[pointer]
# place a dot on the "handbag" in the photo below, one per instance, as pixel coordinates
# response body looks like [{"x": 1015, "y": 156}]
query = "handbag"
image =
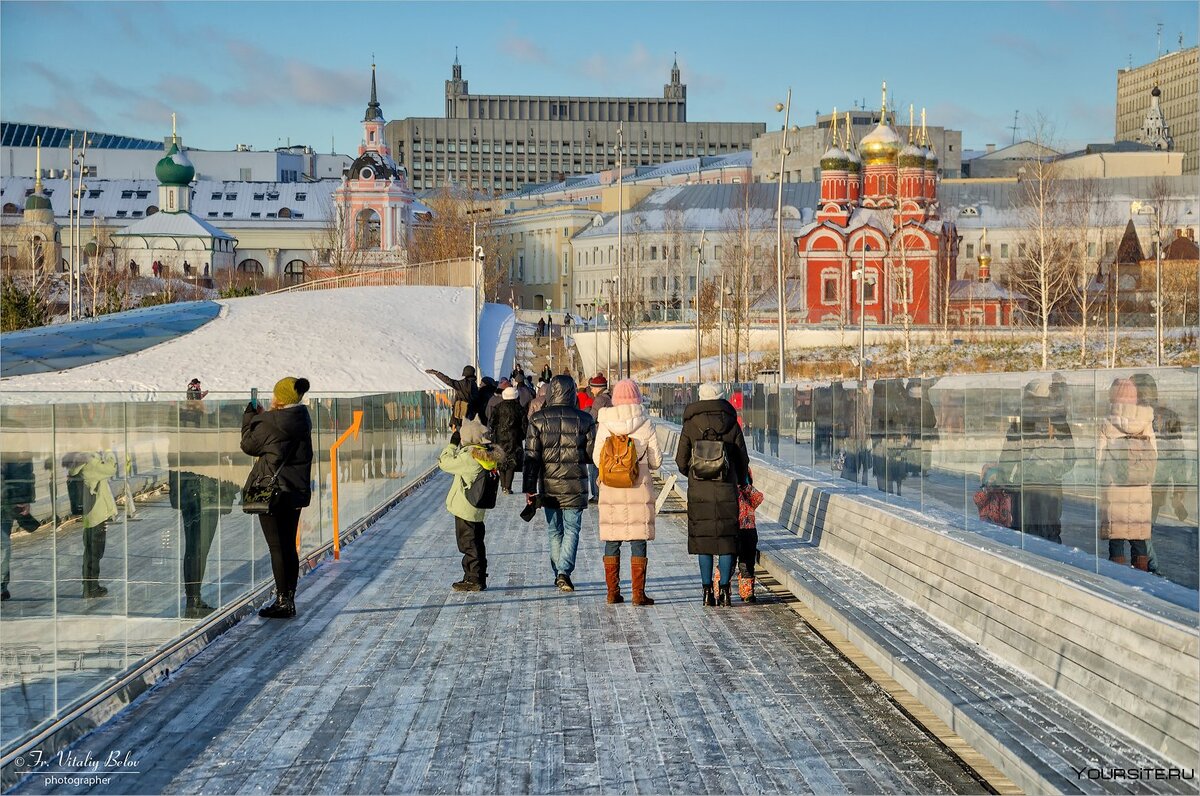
[{"x": 262, "y": 496}]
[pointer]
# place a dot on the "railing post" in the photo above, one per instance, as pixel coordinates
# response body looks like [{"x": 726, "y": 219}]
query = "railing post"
[{"x": 333, "y": 468}]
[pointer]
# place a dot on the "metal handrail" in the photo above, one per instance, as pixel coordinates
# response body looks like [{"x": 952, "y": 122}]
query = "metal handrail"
[{"x": 335, "y": 281}]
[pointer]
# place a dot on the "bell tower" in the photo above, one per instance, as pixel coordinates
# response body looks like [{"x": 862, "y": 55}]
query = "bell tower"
[{"x": 455, "y": 87}]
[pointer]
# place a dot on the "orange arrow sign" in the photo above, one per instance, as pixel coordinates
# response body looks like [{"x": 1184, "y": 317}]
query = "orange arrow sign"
[{"x": 333, "y": 465}]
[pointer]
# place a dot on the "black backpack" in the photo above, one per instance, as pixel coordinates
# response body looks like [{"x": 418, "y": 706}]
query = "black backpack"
[
  {"x": 709, "y": 462},
  {"x": 82, "y": 499},
  {"x": 481, "y": 493}
]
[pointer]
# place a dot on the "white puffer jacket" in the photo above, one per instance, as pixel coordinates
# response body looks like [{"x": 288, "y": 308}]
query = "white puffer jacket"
[{"x": 628, "y": 514}]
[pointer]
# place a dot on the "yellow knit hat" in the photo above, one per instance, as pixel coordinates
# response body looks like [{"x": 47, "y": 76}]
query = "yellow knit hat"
[{"x": 285, "y": 391}]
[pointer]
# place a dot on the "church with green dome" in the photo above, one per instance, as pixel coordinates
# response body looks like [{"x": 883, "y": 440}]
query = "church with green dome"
[{"x": 181, "y": 243}]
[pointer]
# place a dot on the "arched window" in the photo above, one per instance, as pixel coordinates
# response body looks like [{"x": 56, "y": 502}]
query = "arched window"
[
  {"x": 151, "y": 210},
  {"x": 294, "y": 271},
  {"x": 367, "y": 227},
  {"x": 11, "y": 209},
  {"x": 250, "y": 267},
  {"x": 285, "y": 212}
]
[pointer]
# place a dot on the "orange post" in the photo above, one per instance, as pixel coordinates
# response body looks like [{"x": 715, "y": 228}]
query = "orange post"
[{"x": 353, "y": 430}]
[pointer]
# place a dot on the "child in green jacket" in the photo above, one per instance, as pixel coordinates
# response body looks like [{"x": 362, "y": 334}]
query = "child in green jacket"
[{"x": 469, "y": 453}]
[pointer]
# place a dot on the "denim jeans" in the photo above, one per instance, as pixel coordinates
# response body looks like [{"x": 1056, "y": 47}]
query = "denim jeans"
[
  {"x": 594, "y": 481},
  {"x": 706, "y": 569},
  {"x": 637, "y": 548},
  {"x": 563, "y": 531}
]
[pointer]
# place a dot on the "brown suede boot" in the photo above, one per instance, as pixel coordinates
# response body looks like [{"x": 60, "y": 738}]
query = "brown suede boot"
[
  {"x": 1118, "y": 559},
  {"x": 1142, "y": 563},
  {"x": 612, "y": 578},
  {"x": 638, "y": 566}
]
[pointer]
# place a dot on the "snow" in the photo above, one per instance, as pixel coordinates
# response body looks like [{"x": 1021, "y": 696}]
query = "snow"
[{"x": 352, "y": 340}]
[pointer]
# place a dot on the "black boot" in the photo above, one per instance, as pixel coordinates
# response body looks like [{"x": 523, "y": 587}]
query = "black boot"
[
  {"x": 723, "y": 597},
  {"x": 196, "y": 607},
  {"x": 708, "y": 595},
  {"x": 284, "y": 606}
]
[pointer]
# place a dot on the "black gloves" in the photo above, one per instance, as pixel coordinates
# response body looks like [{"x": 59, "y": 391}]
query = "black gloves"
[{"x": 455, "y": 439}]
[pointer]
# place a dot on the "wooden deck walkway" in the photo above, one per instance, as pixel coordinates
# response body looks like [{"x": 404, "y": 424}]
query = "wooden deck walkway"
[{"x": 389, "y": 682}]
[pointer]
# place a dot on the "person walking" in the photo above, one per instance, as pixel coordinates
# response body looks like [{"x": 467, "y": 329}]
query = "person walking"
[
  {"x": 541, "y": 327},
  {"x": 539, "y": 399},
  {"x": 281, "y": 439},
  {"x": 558, "y": 447},
  {"x": 712, "y": 456},
  {"x": 599, "y": 398},
  {"x": 16, "y": 494},
  {"x": 509, "y": 422},
  {"x": 625, "y": 436},
  {"x": 1127, "y": 455},
  {"x": 466, "y": 393},
  {"x": 495, "y": 400},
  {"x": 468, "y": 455},
  {"x": 546, "y": 373}
]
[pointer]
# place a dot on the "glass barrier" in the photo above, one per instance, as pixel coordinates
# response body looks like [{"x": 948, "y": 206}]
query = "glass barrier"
[
  {"x": 122, "y": 526},
  {"x": 1096, "y": 469}
]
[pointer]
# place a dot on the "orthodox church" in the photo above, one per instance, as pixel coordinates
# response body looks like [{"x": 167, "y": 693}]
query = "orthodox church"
[{"x": 877, "y": 218}]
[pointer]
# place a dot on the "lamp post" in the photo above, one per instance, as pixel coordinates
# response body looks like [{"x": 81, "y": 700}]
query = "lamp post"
[
  {"x": 1146, "y": 209},
  {"x": 860, "y": 274},
  {"x": 608, "y": 356},
  {"x": 620, "y": 241},
  {"x": 696, "y": 302},
  {"x": 721, "y": 324},
  {"x": 779, "y": 277}
]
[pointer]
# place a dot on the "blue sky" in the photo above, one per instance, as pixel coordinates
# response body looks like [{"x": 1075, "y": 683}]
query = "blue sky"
[{"x": 265, "y": 73}]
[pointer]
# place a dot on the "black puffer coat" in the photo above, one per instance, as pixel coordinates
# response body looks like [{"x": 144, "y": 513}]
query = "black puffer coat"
[
  {"x": 268, "y": 437},
  {"x": 713, "y": 505},
  {"x": 508, "y": 429},
  {"x": 558, "y": 449}
]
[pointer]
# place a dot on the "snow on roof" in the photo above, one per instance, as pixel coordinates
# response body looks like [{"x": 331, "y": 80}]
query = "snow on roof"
[
  {"x": 699, "y": 164},
  {"x": 397, "y": 333},
  {"x": 175, "y": 225},
  {"x": 973, "y": 290}
]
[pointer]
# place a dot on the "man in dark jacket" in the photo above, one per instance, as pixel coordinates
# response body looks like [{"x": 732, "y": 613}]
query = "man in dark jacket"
[
  {"x": 508, "y": 422},
  {"x": 558, "y": 447},
  {"x": 712, "y": 504},
  {"x": 466, "y": 393},
  {"x": 479, "y": 407}
]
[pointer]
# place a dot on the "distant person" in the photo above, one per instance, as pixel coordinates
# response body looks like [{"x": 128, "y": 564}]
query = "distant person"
[
  {"x": 712, "y": 456},
  {"x": 509, "y": 423},
  {"x": 539, "y": 398},
  {"x": 749, "y": 499},
  {"x": 625, "y": 439},
  {"x": 546, "y": 373},
  {"x": 496, "y": 398},
  {"x": 1038, "y": 453},
  {"x": 88, "y": 476},
  {"x": 194, "y": 392},
  {"x": 1127, "y": 456},
  {"x": 487, "y": 389},
  {"x": 558, "y": 447},
  {"x": 281, "y": 439},
  {"x": 598, "y": 398},
  {"x": 466, "y": 457},
  {"x": 16, "y": 495},
  {"x": 200, "y": 501},
  {"x": 541, "y": 327},
  {"x": 466, "y": 393},
  {"x": 567, "y": 322},
  {"x": 1172, "y": 476}
]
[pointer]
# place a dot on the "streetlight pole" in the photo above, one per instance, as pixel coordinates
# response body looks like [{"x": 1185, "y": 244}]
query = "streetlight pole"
[
  {"x": 721, "y": 326},
  {"x": 70, "y": 230},
  {"x": 620, "y": 241},
  {"x": 861, "y": 276},
  {"x": 696, "y": 302},
  {"x": 476, "y": 262},
  {"x": 779, "y": 275},
  {"x": 1144, "y": 209}
]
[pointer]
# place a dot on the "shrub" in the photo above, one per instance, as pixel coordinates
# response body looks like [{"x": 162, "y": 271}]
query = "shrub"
[{"x": 21, "y": 307}]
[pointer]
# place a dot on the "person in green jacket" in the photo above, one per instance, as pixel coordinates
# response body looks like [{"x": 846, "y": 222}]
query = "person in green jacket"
[
  {"x": 95, "y": 469},
  {"x": 469, "y": 453}
]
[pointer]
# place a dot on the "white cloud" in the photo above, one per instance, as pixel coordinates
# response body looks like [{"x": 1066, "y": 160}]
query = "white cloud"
[{"x": 525, "y": 50}]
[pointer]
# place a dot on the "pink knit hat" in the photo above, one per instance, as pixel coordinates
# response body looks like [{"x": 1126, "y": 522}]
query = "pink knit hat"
[
  {"x": 1123, "y": 391},
  {"x": 626, "y": 393}
]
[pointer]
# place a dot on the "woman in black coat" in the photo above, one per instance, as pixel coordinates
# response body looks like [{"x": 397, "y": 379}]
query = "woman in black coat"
[
  {"x": 282, "y": 441},
  {"x": 713, "y": 503},
  {"x": 508, "y": 422}
]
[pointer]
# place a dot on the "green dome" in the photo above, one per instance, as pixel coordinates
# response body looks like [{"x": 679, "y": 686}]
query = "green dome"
[
  {"x": 853, "y": 162},
  {"x": 911, "y": 157},
  {"x": 37, "y": 201},
  {"x": 834, "y": 159},
  {"x": 931, "y": 159},
  {"x": 175, "y": 168}
]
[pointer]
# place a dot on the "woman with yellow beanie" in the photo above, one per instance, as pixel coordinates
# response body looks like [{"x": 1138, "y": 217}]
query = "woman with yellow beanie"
[{"x": 282, "y": 440}]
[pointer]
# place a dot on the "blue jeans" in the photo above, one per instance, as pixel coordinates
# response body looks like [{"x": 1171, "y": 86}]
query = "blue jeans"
[
  {"x": 637, "y": 548},
  {"x": 706, "y": 569},
  {"x": 563, "y": 530}
]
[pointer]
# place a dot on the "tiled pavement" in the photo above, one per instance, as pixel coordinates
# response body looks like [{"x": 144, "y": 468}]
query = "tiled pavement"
[{"x": 390, "y": 682}]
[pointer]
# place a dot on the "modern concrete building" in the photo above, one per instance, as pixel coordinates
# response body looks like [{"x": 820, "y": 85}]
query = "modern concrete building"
[
  {"x": 125, "y": 158},
  {"x": 1176, "y": 76},
  {"x": 808, "y": 143},
  {"x": 500, "y": 143}
]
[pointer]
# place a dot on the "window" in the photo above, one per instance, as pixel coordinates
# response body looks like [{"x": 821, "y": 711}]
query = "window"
[
  {"x": 829, "y": 288},
  {"x": 213, "y": 214},
  {"x": 1003, "y": 251},
  {"x": 970, "y": 250},
  {"x": 258, "y": 197},
  {"x": 653, "y": 252},
  {"x": 216, "y": 196},
  {"x": 869, "y": 288},
  {"x": 231, "y": 197},
  {"x": 94, "y": 194},
  {"x": 902, "y": 283},
  {"x": 142, "y": 194},
  {"x": 691, "y": 283},
  {"x": 122, "y": 213},
  {"x": 654, "y": 284},
  {"x": 300, "y": 197},
  {"x": 254, "y": 214},
  {"x": 126, "y": 194},
  {"x": 717, "y": 252},
  {"x": 1091, "y": 249}
]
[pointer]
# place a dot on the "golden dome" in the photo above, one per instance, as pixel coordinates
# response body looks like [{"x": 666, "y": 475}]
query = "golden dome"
[{"x": 880, "y": 146}]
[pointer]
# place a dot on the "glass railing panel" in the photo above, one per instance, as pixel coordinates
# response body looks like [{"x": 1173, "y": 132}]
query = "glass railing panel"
[
  {"x": 967, "y": 441},
  {"x": 31, "y": 507},
  {"x": 229, "y": 566}
]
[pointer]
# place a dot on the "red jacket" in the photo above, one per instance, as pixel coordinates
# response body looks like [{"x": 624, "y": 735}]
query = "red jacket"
[{"x": 585, "y": 399}]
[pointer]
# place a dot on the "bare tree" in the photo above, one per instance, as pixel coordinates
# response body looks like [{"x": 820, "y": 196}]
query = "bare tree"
[
  {"x": 1086, "y": 212},
  {"x": 1043, "y": 271},
  {"x": 746, "y": 237},
  {"x": 331, "y": 244},
  {"x": 447, "y": 235}
]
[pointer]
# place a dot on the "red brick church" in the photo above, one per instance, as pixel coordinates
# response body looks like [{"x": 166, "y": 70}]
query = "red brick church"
[{"x": 878, "y": 208}]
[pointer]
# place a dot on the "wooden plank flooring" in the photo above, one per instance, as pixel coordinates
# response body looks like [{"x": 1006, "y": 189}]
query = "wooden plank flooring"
[{"x": 389, "y": 682}]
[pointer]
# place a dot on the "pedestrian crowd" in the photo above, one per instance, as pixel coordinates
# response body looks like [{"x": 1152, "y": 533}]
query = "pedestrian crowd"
[{"x": 579, "y": 446}]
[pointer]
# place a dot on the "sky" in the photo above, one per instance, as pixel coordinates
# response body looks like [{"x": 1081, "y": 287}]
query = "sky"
[{"x": 273, "y": 73}]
